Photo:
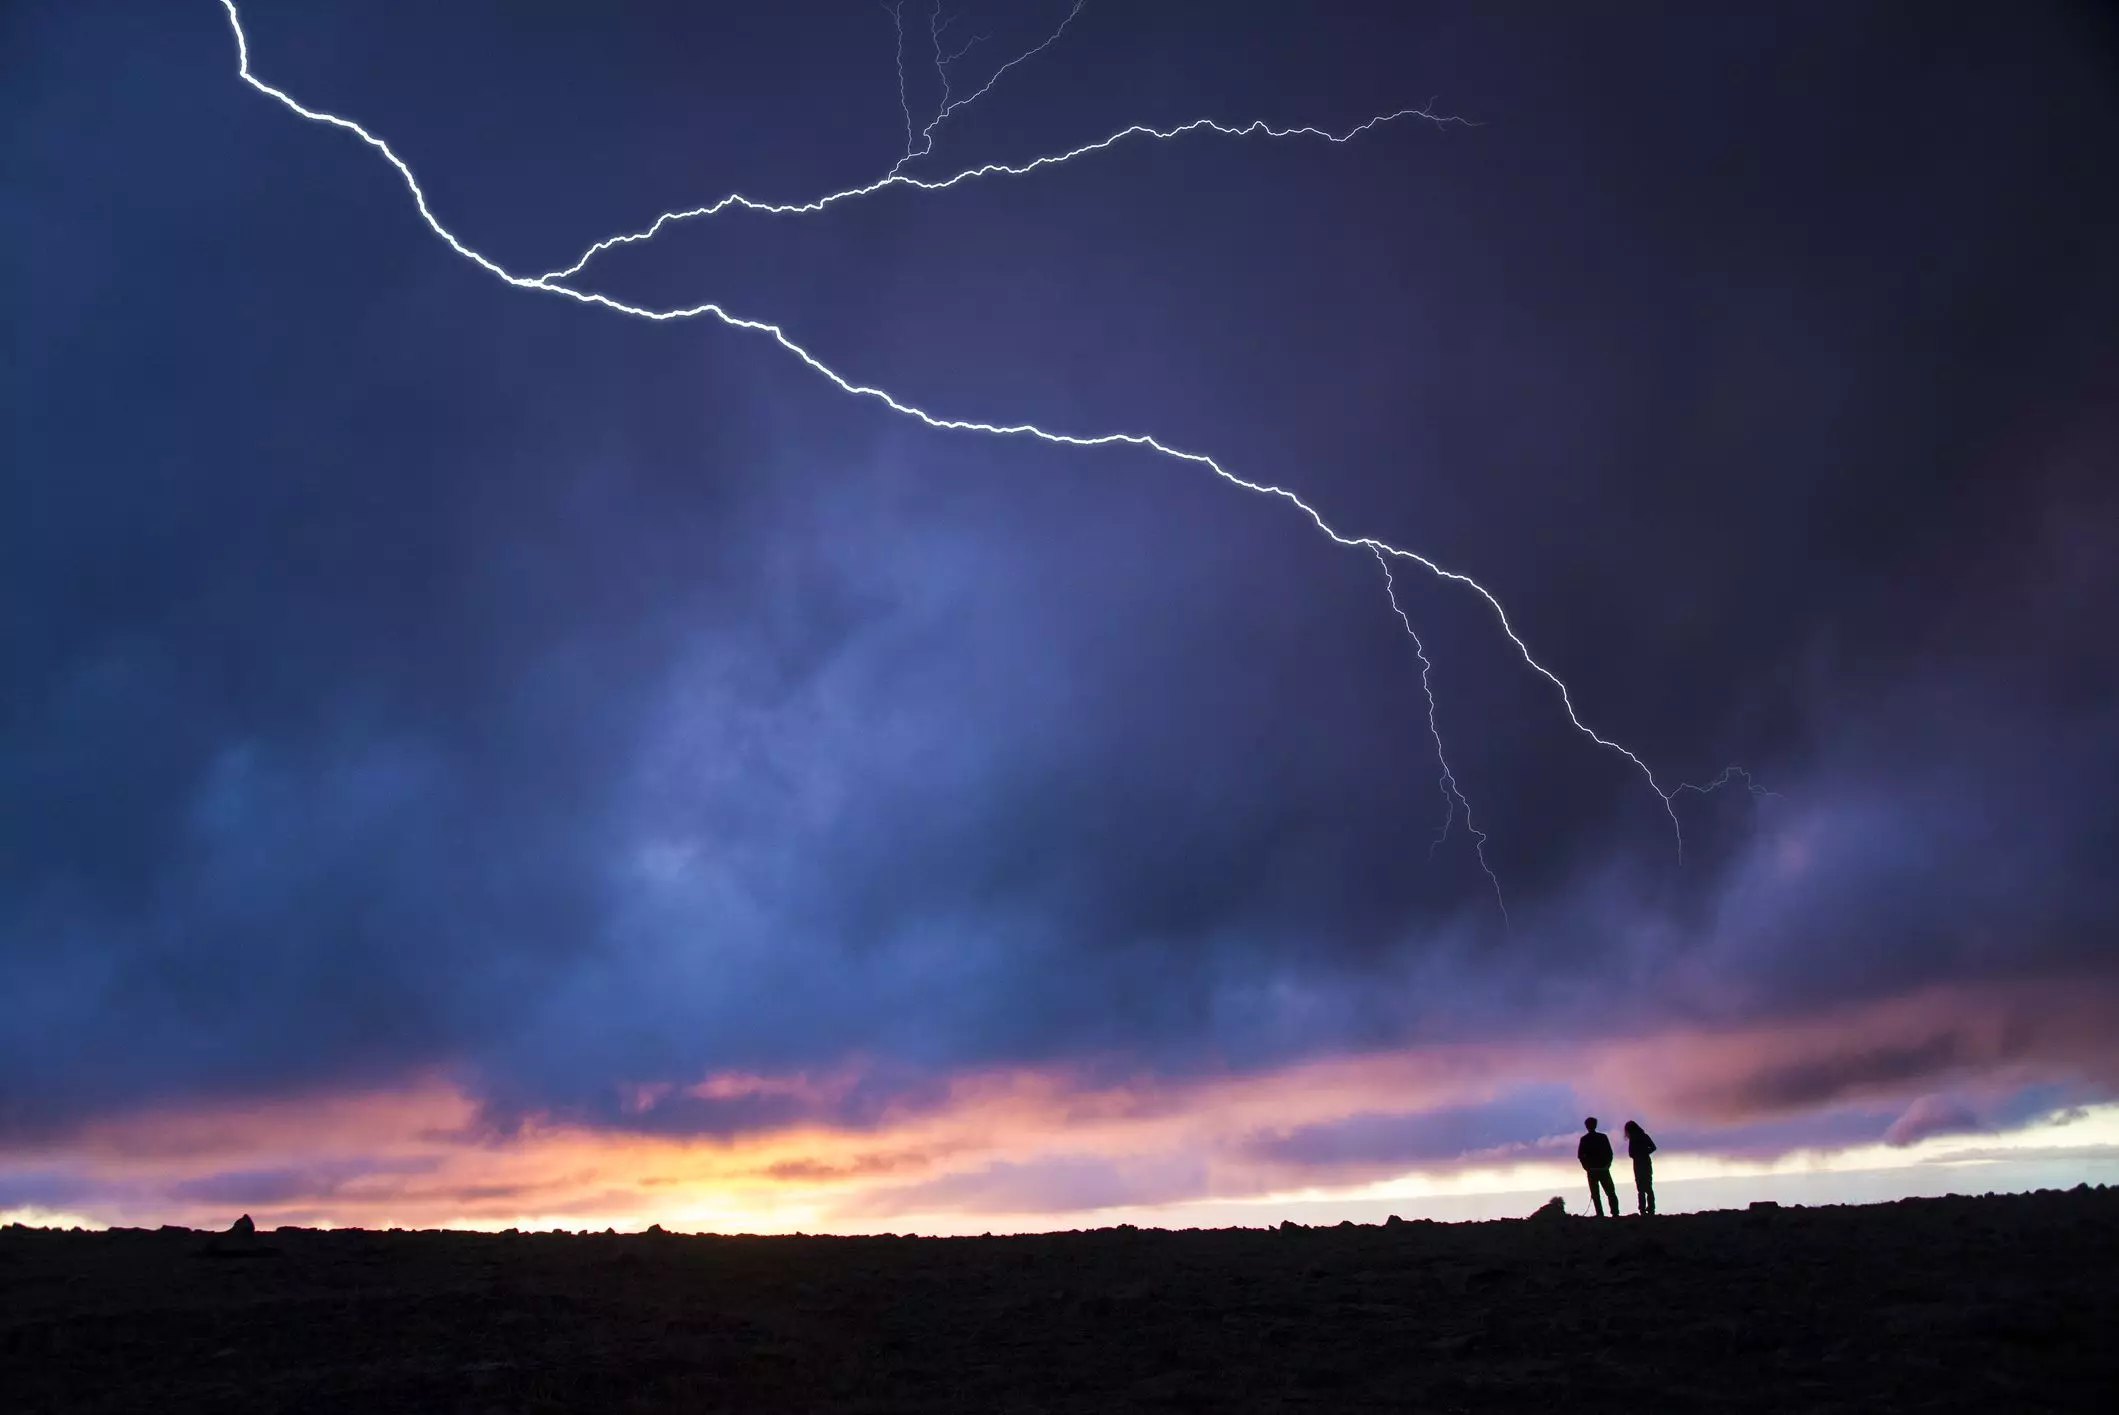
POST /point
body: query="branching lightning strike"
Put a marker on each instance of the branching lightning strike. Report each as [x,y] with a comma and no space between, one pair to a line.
[1729,773]
[897,18]
[1452,794]
[1384,552]
[1259,128]
[935,26]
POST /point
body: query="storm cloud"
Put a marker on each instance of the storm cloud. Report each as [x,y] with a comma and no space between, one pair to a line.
[406,675]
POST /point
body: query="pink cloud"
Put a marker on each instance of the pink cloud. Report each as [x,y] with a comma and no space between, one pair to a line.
[1066,1141]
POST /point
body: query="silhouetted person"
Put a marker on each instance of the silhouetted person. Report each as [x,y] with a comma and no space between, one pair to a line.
[1640,1147]
[1595,1153]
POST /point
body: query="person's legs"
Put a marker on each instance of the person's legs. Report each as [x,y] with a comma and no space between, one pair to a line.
[1644,1185]
[1596,1196]
[1600,1180]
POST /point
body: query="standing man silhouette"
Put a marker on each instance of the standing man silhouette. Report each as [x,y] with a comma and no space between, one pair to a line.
[1594,1152]
[1640,1147]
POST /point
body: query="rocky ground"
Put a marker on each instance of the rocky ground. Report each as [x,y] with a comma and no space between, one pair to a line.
[1999,1303]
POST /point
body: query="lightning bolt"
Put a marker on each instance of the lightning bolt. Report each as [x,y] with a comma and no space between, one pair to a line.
[935,26]
[1452,794]
[897,18]
[1259,128]
[1729,773]
[1384,551]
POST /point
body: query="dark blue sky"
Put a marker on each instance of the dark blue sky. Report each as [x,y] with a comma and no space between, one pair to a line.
[400,672]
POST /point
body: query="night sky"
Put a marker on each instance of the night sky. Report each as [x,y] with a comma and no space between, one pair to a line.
[467,756]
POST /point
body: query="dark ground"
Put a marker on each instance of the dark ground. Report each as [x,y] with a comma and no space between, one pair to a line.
[2000,1304]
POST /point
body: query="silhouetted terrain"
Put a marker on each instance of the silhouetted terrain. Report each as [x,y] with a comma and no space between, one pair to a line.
[1999,1303]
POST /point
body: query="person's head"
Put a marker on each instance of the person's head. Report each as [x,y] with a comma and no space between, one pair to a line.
[1632,1129]
[1590,1124]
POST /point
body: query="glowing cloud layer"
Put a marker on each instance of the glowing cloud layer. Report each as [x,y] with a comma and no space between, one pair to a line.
[1816,1105]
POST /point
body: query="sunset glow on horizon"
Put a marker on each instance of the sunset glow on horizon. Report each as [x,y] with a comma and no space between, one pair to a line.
[1031,1151]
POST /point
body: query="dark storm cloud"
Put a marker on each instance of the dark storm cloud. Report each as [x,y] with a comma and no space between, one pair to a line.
[1854,1070]
[46,1189]
[403,671]
[1933,1115]
[273,1187]
[1813,1080]
[858,1102]
[1985,1110]
[1536,1122]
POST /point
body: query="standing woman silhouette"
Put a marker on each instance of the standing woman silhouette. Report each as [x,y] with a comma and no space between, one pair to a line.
[1639,1147]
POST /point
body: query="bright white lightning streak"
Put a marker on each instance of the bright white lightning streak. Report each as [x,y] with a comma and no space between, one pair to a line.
[1259,128]
[1452,794]
[549,285]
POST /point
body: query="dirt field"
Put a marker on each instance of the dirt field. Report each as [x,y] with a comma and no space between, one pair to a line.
[1993,1304]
